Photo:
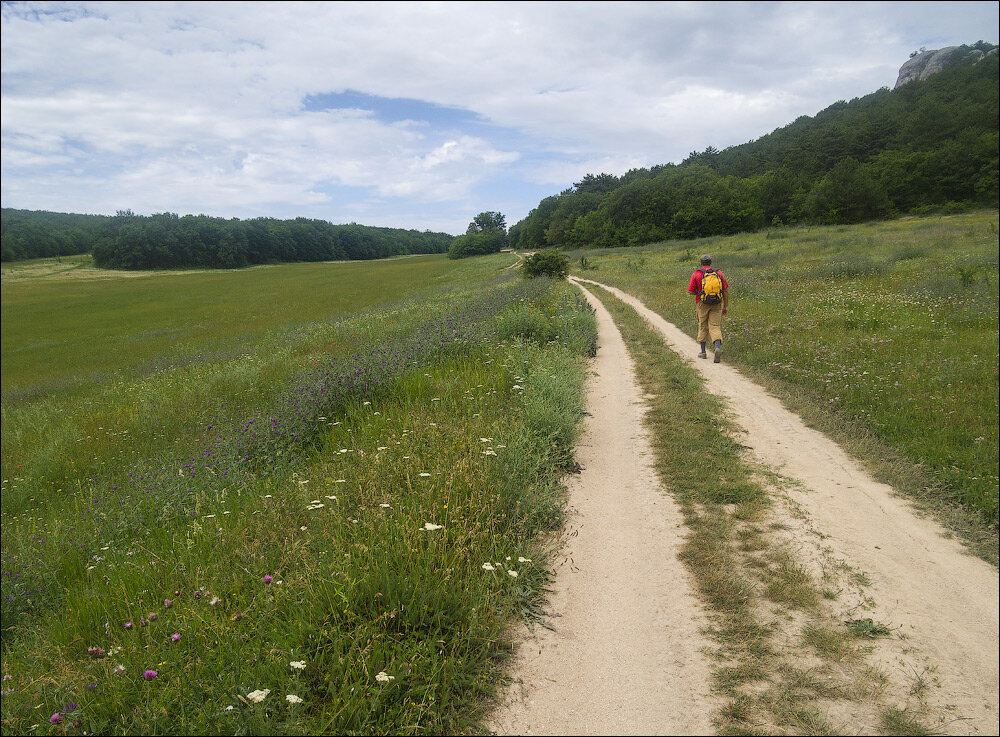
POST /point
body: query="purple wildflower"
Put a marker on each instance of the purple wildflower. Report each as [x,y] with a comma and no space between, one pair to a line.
[149,675]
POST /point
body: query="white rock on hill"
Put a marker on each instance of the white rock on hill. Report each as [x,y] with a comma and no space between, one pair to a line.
[926,63]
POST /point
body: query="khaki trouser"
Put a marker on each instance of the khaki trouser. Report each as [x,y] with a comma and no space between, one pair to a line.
[709,322]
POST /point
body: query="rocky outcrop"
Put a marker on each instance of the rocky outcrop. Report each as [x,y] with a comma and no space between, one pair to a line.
[925,63]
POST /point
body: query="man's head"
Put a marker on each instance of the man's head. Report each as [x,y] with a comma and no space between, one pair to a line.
[706,260]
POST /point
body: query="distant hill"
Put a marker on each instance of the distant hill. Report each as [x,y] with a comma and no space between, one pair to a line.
[167,240]
[930,144]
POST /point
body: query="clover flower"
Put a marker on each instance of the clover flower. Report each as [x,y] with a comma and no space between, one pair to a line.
[268,578]
[175,637]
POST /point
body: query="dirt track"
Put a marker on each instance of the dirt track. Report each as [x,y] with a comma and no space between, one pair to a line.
[626,656]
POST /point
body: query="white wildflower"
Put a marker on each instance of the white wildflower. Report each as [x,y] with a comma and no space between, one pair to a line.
[258,696]
[430,526]
[384,677]
[293,699]
[521,559]
[488,567]
[512,574]
[298,664]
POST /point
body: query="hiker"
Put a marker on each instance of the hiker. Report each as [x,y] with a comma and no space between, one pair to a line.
[711,293]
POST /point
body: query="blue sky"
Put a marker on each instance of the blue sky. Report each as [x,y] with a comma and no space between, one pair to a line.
[415,115]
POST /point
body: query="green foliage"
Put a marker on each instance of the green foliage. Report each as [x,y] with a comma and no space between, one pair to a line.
[487,233]
[165,240]
[929,146]
[552,264]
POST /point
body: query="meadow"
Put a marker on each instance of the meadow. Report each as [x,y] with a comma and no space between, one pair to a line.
[883,335]
[292,499]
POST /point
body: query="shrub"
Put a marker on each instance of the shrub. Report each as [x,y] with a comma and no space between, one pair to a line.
[552,264]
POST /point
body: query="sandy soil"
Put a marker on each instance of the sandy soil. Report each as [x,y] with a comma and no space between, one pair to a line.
[625,653]
[943,602]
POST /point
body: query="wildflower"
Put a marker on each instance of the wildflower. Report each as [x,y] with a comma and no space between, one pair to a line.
[143,622]
[91,686]
[55,718]
[430,526]
[268,578]
[293,699]
[298,664]
[385,506]
[176,637]
[95,652]
[258,696]
[238,616]
[119,669]
[521,559]
[167,603]
[512,574]
[149,675]
[152,616]
[128,625]
[215,601]
[384,677]
[425,474]
[488,567]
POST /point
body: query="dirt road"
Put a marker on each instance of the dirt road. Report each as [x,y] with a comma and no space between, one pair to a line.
[626,656]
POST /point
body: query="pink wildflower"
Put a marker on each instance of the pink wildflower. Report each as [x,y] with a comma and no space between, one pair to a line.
[149,675]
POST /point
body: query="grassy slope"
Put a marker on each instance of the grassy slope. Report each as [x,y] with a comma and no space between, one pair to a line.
[884,335]
[379,536]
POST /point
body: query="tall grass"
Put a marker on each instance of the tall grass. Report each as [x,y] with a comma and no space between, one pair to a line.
[160,577]
[885,335]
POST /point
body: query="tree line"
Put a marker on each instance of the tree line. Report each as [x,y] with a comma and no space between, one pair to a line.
[929,145]
[167,240]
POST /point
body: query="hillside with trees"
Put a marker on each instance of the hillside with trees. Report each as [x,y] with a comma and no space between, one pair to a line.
[930,145]
[167,240]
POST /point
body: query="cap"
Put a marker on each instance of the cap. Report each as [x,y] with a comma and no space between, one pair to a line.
[706,259]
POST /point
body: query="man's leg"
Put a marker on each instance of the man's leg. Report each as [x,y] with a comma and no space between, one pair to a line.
[702,328]
[715,330]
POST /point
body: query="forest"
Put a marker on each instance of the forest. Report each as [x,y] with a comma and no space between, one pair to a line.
[928,146]
[167,240]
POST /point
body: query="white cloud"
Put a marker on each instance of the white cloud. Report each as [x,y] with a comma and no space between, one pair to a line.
[199,106]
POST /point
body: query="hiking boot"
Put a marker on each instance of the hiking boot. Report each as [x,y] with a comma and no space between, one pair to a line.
[718,352]
[703,355]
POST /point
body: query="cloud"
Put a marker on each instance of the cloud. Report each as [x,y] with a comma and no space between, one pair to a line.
[391,109]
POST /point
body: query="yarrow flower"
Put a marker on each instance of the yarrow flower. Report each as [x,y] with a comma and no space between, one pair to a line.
[488,567]
[384,677]
[512,574]
[258,696]
[298,664]
[293,699]
[430,526]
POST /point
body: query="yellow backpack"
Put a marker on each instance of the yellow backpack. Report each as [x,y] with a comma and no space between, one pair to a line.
[711,287]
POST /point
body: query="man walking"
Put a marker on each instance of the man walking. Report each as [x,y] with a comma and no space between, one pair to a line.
[711,292]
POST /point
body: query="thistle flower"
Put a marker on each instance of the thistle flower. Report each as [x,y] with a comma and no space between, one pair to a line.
[149,675]
[268,578]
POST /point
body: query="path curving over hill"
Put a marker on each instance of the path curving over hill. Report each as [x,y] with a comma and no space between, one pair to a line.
[942,600]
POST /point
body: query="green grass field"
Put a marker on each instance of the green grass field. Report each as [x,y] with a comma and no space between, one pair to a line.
[298,499]
[884,335]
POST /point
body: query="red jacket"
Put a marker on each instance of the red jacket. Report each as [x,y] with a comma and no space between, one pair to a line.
[695,285]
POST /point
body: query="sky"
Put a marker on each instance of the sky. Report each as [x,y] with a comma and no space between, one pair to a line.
[415,114]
